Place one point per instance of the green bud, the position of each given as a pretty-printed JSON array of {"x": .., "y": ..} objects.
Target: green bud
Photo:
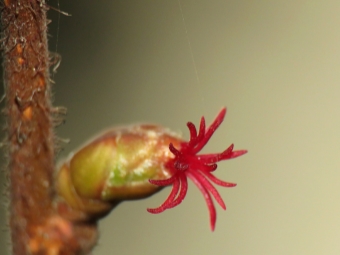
[{"x": 116, "y": 166}]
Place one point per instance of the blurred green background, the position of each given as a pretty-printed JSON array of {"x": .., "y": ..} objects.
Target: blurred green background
[{"x": 274, "y": 64}]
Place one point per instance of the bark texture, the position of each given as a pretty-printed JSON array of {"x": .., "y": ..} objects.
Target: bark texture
[{"x": 36, "y": 226}]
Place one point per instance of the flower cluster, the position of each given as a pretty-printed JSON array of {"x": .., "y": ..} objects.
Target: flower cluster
[{"x": 186, "y": 163}]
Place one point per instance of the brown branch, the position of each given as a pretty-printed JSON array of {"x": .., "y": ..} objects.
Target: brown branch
[
  {"x": 35, "y": 226},
  {"x": 30, "y": 137}
]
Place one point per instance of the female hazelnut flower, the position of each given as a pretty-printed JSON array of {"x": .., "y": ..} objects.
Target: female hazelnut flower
[
  {"x": 186, "y": 163},
  {"x": 134, "y": 162}
]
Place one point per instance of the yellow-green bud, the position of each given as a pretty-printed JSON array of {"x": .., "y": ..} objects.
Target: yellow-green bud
[{"x": 116, "y": 166}]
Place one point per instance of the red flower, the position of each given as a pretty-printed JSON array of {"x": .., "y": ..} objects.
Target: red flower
[{"x": 198, "y": 168}]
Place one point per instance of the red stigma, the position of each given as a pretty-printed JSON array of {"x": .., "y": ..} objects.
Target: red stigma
[{"x": 199, "y": 168}]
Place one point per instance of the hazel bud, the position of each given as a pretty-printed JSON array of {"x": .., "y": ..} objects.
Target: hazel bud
[{"x": 116, "y": 166}]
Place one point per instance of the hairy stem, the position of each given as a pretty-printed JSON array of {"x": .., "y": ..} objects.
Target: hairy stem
[
  {"x": 30, "y": 136},
  {"x": 36, "y": 227}
]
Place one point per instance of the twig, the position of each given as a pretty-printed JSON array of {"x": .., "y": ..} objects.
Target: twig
[{"x": 36, "y": 227}]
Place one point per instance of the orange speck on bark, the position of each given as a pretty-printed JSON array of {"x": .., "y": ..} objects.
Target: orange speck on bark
[
  {"x": 33, "y": 246},
  {"x": 7, "y": 3},
  {"x": 19, "y": 46},
  {"x": 20, "y": 60},
  {"x": 28, "y": 113},
  {"x": 41, "y": 82}
]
